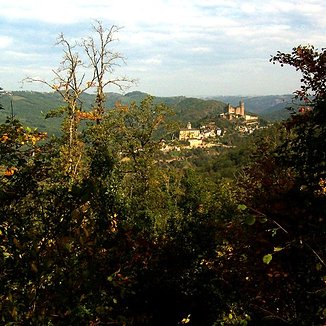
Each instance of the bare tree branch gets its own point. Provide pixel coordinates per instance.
(103, 61)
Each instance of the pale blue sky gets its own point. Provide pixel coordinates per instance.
(173, 47)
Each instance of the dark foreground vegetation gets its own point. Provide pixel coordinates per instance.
(97, 229)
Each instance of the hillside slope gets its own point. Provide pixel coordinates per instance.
(31, 107)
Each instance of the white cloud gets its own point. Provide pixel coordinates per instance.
(248, 8)
(13, 55)
(52, 12)
(68, 12)
(5, 41)
(148, 63)
(168, 43)
(201, 49)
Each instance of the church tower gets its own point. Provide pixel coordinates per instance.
(242, 109)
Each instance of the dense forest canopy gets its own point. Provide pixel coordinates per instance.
(99, 227)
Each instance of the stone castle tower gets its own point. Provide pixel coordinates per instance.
(241, 107)
(238, 110)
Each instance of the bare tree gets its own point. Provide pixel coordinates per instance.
(69, 85)
(70, 81)
(103, 61)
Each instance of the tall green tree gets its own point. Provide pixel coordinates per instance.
(284, 188)
(129, 137)
(305, 148)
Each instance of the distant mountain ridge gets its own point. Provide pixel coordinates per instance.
(271, 107)
(30, 107)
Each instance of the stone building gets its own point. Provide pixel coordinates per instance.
(232, 112)
(204, 132)
(189, 133)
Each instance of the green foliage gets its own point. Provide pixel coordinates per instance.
(33, 107)
(282, 184)
(311, 63)
(128, 139)
(108, 230)
(267, 258)
(305, 146)
(83, 247)
(193, 109)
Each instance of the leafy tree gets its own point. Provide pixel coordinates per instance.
(127, 136)
(53, 225)
(284, 189)
(311, 63)
(305, 148)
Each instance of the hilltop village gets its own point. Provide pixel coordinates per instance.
(207, 134)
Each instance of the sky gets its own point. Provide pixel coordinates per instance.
(171, 47)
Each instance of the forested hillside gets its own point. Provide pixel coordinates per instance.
(32, 107)
(99, 227)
